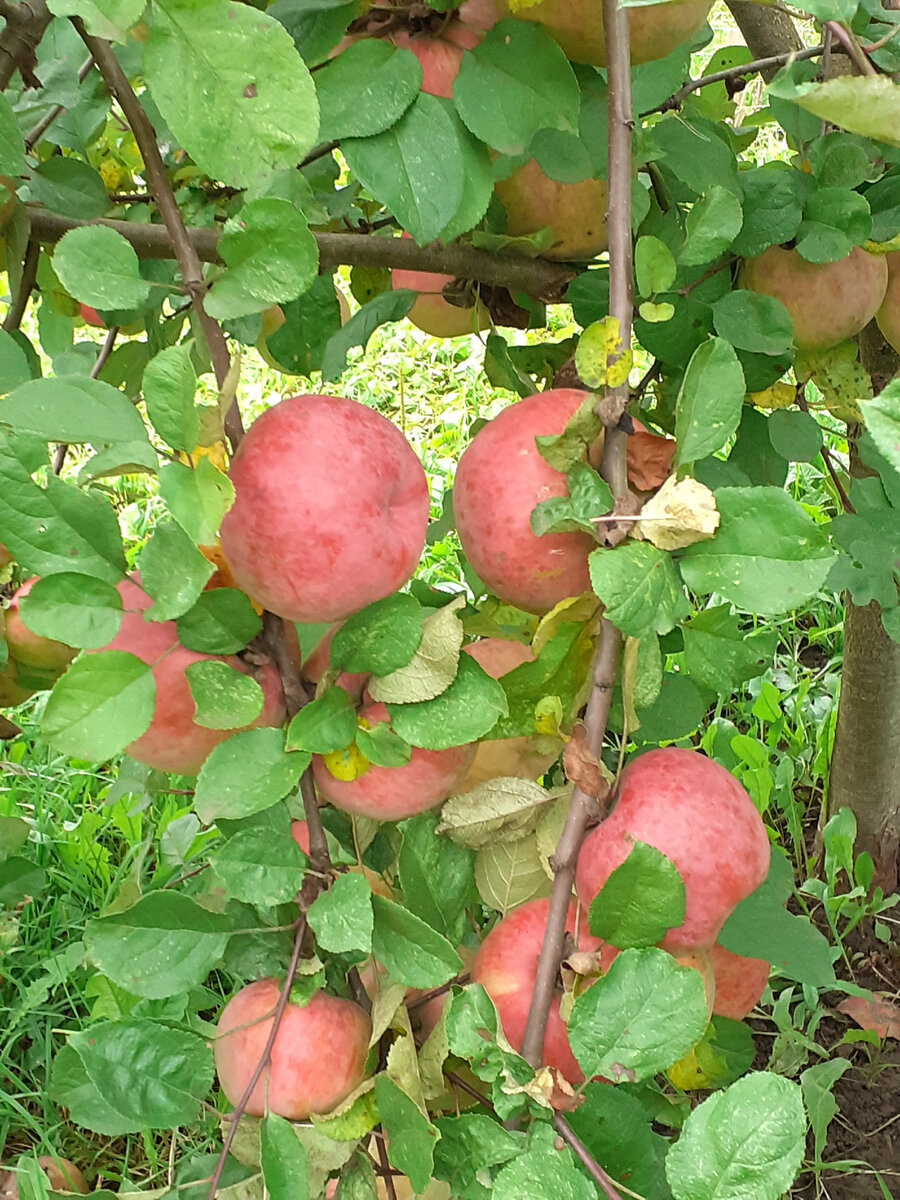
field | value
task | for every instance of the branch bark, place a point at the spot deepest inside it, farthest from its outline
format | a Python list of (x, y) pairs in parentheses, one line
[(26, 23), (535, 276), (768, 32)]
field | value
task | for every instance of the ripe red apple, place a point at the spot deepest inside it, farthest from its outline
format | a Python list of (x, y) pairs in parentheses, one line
[(318, 1057), (92, 317), (576, 212), (888, 315), (522, 757), (174, 742), (577, 25), (30, 649), (500, 478), (828, 302), (697, 814), (392, 793), (431, 312), (506, 966), (330, 511), (739, 982)]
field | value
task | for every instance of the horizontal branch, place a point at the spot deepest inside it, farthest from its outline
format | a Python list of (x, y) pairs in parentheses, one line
[(733, 74), (535, 276)]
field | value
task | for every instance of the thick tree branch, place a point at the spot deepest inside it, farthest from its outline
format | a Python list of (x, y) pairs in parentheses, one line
[(768, 32), (160, 185), (25, 26), (535, 276)]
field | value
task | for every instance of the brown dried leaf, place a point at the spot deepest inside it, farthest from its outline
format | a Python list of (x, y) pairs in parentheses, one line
[(682, 512), (649, 457), (581, 765), (880, 1015)]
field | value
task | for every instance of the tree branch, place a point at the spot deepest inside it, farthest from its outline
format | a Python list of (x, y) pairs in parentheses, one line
[(25, 26), (535, 276), (768, 32), (159, 183), (604, 1182), (13, 318), (758, 66)]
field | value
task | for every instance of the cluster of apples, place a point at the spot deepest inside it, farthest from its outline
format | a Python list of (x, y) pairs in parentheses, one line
[(686, 806)]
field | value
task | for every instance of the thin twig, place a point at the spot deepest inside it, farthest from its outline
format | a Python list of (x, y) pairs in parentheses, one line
[(535, 276), (465, 1086), (13, 318), (106, 349), (757, 67), (604, 1182), (848, 40), (386, 1173), (319, 152), (32, 138), (159, 183), (459, 981), (826, 457), (242, 1103)]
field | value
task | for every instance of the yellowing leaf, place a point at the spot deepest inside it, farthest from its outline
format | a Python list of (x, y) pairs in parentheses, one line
[(779, 395), (577, 609), (869, 105), (508, 874), (346, 765), (433, 667), (682, 512), (601, 358), (503, 809)]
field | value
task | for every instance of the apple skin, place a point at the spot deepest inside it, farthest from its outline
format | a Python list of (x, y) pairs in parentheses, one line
[(828, 302), (576, 212), (318, 1057), (697, 814), (888, 315), (174, 742), (431, 312), (330, 512), (30, 649), (392, 793), (739, 982), (506, 967), (62, 1174), (519, 757), (577, 25), (92, 317), (500, 478)]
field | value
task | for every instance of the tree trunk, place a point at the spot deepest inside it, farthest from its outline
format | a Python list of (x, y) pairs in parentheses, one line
[(767, 31)]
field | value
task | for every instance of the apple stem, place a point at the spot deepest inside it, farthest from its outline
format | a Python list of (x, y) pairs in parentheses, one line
[(240, 1107), (613, 469), (161, 187)]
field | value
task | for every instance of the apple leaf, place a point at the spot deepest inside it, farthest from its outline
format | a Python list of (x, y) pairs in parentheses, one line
[(247, 773), (366, 89), (640, 587), (74, 609), (411, 951), (710, 401), (222, 621), (103, 703), (283, 1159), (380, 638), (641, 900), (198, 498), (465, 712), (341, 918), (70, 408), (225, 698), (100, 268), (250, 871), (410, 1136), (169, 384)]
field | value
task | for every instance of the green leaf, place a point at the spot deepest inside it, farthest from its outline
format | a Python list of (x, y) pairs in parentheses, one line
[(644, 1014), (415, 168), (640, 587), (70, 186), (387, 306), (252, 873), (767, 557), (325, 724), (745, 1143), (870, 106), (173, 571), (100, 268), (12, 144), (73, 608), (515, 83), (752, 321), (411, 951), (222, 621), (382, 747), (772, 207), (543, 1170), (410, 1136), (225, 698), (153, 1076), (197, 498), (71, 1087), (270, 255), (618, 1132), (341, 918), (718, 655), (696, 151), (436, 875), (711, 226), (640, 902), (14, 365), (283, 1160), (102, 704), (19, 877), (71, 408), (163, 945), (835, 220), (654, 266), (433, 666), (169, 384), (509, 873), (465, 712), (796, 436), (245, 774), (710, 401), (470, 1143), (366, 89), (816, 1084), (57, 528), (231, 86), (110, 19), (882, 418)]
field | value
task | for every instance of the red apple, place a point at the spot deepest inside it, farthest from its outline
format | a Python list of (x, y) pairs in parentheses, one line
[(828, 302), (30, 649), (92, 317), (5, 557), (577, 25), (522, 757), (500, 478), (739, 982), (576, 212), (392, 793), (174, 742), (697, 814), (318, 1057), (330, 511), (506, 966)]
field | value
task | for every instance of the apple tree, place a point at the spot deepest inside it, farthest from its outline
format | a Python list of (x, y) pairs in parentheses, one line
[(420, 931)]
